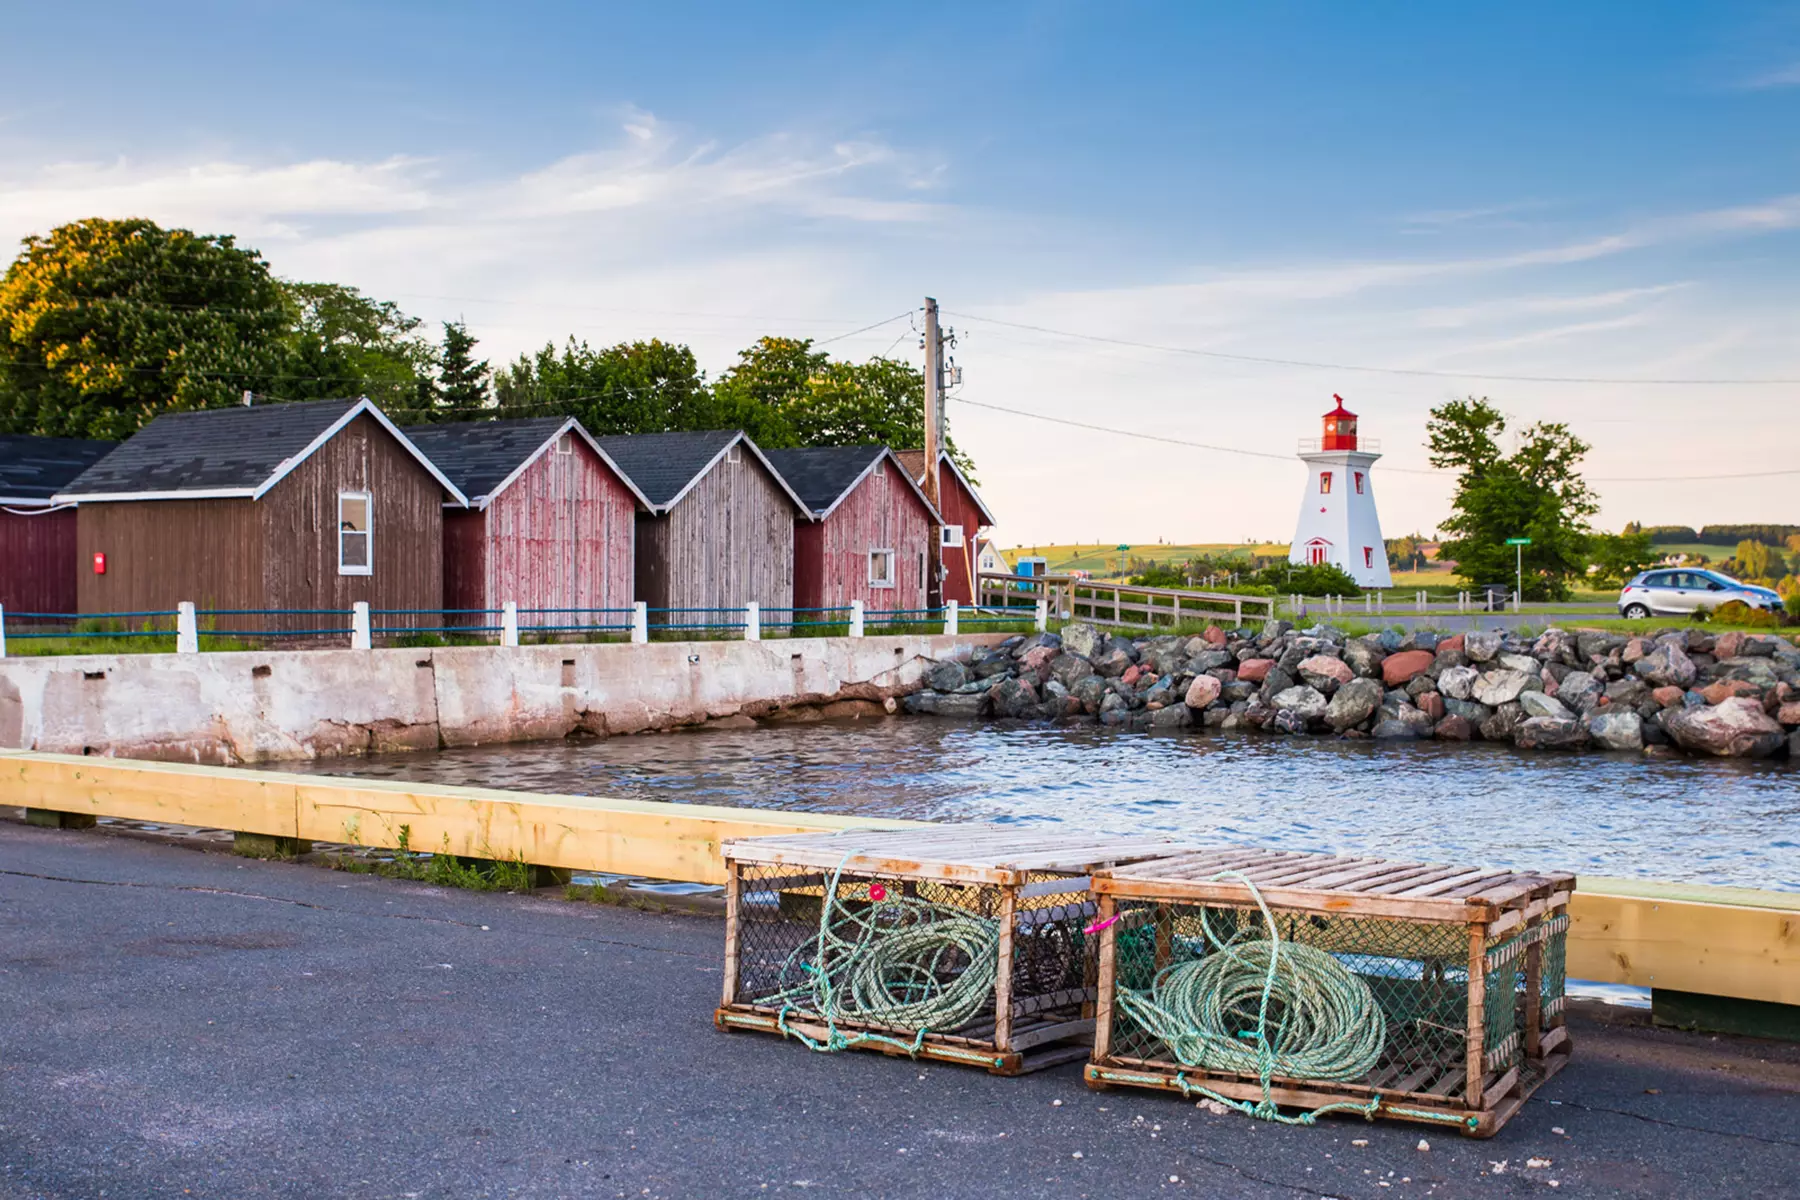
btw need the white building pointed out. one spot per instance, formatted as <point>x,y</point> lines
<point>1338,523</point>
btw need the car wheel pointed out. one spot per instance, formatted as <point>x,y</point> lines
<point>1636,612</point>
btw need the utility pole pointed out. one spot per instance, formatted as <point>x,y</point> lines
<point>934,399</point>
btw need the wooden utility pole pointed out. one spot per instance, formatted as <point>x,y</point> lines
<point>934,399</point>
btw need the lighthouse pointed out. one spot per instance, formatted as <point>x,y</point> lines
<point>1338,524</point>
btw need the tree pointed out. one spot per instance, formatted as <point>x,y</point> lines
<point>104,324</point>
<point>1618,557</point>
<point>1754,561</point>
<point>1535,492</point>
<point>1403,553</point>
<point>633,387</point>
<point>460,392</point>
<point>340,342</point>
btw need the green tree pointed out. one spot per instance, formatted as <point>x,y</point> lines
<point>1403,552</point>
<point>1618,557</point>
<point>1754,562</point>
<point>104,324</point>
<point>1535,492</point>
<point>633,387</point>
<point>341,342</point>
<point>460,392</point>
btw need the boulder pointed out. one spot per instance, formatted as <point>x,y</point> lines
<point>1734,728</point>
<point>1667,697</point>
<point>1480,647</point>
<point>1273,629</point>
<point>1635,648</point>
<point>1070,669</point>
<point>1277,680</point>
<point>1550,733</point>
<point>1203,691</point>
<point>1431,704</point>
<point>1627,692</point>
<point>1458,683</point>
<point>1038,658</point>
<point>1304,701</point>
<point>1537,704</point>
<point>1090,690</point>
<point>1729,645</point>
<point>1014,698</point>
<point>1123,644</point>
<point>1596,643</point>
<point>1214,635</point>
<point>1447,660</point>
<point>1174,716</point>
<point>1523,663</point>
<point>1725,689</point>
<point>1667,664</point>
<point>1112,662</point>
<point>1555,645</point>
<point>1453,729</point>
<point>1616,730</point>
<point>1364,656</point>
<point>1500,726</point>
<point>1419,685</point>
<point>1469,710</point>
<point>1454,642</point>
<point>1131,675</point>
<point>1578,690</point>
<point>946,676</point>
<point>1789,713</point>
<point>1499,686</point>
<point>1397,669</point>
<point>1081,638</point>
<point>1052,640</point>
<point>1210,660</point>
<point>936,704</point>
<point>1325,672</point>
<point>1354,703</point>
<point>1255,670</point>
<point>1286,720</point>
<point>1409,722</point>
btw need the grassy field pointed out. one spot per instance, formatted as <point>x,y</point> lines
<point>1103,559</point>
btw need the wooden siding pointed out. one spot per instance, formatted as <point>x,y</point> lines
<point>160,552</point>
<point>831,557</point>
<point>729,541</point>
<point>37,561</point>
<point>299,527</point>
<point>465,562</point>
<point>561,536</point>
<point>959,508</point>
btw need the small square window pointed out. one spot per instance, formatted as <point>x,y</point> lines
<point>1324,483</point>
<point>952,536</point>
<point>881,568</point>
<point>354,554</point>
<point>880,467</point>
<point>734,455</point>
<point>565,444</point>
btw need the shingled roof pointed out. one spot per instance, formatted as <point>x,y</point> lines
<point>822,476</point>
<point>914,462</point>
<point>665,466</point>
<point>33,469</point>
<point>218,453</point>
<point>483,458</point>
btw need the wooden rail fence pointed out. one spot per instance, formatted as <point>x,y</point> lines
<point>1120,605</point>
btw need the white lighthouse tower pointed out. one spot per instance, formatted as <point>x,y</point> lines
<point>1337,522</point>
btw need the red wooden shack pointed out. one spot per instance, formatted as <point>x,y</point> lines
<point>549,526</point>
<point>309,506</point>
<point>37,535</point>
<point>964,518</point>
<point>866,534</point>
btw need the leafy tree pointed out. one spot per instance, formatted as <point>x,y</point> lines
<point>341,342</point>
<point>1403,553</point>
<point>1535,492</point>
<point>1308,579</point>
<point>460,392</point>
<point>633,387</point>
<point>1669,535</point>
<point>104,324</point>
<point>1618,557</point>
<point>1754,562</point>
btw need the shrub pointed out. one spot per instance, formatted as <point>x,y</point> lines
<point>1313,579</point>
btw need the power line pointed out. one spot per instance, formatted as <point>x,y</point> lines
<point>877,325</point>
<point>1327,366</point>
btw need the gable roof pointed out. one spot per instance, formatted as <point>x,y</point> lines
<point>824,476</point>
<point>665,466</point>
<point>914,461</point>
<point>222,453</point>
<point>33,469</point>
<point>483,458</point>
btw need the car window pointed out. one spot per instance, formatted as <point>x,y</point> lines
<point>1656,579</point>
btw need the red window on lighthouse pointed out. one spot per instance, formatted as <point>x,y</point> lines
<point>1359,483</point>
<point>1368,556</point>
<point>1324,483</point>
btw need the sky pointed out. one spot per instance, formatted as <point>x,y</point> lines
<point>1125,210</point>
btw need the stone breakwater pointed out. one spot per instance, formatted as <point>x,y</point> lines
<point>1733,695</point>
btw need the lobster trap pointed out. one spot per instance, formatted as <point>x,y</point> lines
<point>965,944</point>
<point>1266,980</point>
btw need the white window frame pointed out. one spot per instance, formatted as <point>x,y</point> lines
<point>368,533</point>
<point>951,536</point>
<point>876,555</point>
<point>565,444</point>
<point>734,456</point>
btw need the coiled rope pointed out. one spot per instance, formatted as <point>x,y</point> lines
<point>899,961</point>
<point>1214,1013</point>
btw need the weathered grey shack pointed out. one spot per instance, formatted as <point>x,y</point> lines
<point>719,532</point>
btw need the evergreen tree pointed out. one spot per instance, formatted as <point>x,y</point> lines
<point>461,390</point>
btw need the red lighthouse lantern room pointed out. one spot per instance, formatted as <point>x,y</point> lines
<point>1340,428</point>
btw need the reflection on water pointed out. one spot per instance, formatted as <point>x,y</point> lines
<point>1685,820</point>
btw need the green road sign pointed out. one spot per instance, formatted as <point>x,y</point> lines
<point>1518,541</point>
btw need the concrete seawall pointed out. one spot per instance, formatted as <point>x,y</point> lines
<point>271,706</point>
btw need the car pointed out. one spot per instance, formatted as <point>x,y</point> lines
<point>1677,592</point>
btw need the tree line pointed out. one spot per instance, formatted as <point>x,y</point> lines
<point>105,324</point>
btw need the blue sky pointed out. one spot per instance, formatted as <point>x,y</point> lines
<point>1603,190</point>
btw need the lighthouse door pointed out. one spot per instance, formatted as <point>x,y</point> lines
<point>1318,551</point>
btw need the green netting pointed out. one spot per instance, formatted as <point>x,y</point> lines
<point>1555,966</point>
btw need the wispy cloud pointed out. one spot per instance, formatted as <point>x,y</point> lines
<point>1780,77</point>
<point>1488,216</point>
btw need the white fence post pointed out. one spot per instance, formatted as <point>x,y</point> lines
<point>1380,602</point>
<point>362,635</point>
<point>856,618</point>
<point>950,618</point>
<point>2,631</point>
<point>752,622</point>
<point>187,628</point>
<point>640,621</point>
<point>1043,615</point>
<point>509,623</point>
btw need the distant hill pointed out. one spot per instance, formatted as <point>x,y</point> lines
<point>1719,535</point>
<point>1104,559</point>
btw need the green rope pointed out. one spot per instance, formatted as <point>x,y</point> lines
<point>897,962</point>
<point>1329,1026</point>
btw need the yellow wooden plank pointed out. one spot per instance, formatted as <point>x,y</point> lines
<point>166,793</point>
<point>1714,949</point>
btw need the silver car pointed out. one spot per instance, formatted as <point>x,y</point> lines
<point>1679,591</point>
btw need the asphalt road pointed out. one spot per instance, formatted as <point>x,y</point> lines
<point>186,1024</point>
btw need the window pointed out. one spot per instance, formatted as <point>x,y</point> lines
<point>952,536</point>
<point>1359,490</point>
<point>1368,552</point>
<point>353,534</point>
<point>880,467</point>
<point>565,444</point>
<point>733,456</point>
<point>1324,483</point>
<point>881,568</point>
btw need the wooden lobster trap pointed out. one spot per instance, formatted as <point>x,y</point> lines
<point>965,943</point>
<point>1263,979</point>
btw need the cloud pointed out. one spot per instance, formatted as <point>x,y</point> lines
<point>1780,77</point>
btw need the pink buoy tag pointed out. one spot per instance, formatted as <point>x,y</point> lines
<point>1097,926</point>
<point>877,892</point>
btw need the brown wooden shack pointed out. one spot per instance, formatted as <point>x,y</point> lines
<point>307,506</point>
<point>719,531</point>
<point>37,535</point>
